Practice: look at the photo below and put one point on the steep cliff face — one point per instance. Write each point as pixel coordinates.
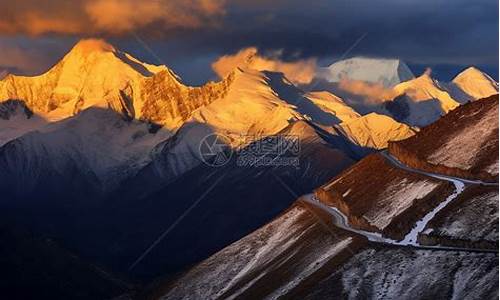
(12, 108)
(162, 99)
(128, 103)
(17, 119)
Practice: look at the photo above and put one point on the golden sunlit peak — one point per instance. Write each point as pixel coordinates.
(93, 45)
(470, 72)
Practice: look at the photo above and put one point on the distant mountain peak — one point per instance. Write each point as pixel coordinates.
(473, 84)
(388, 72)
(87, 53)
(472, 73)
(96, 74)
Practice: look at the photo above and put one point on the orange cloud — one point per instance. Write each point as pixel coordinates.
(122, 15)
(35, 17)
(372, 93)
(105, 16)
(299, 72)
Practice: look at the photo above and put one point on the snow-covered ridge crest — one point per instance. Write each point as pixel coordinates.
(96, 74)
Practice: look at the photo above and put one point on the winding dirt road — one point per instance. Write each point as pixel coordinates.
(410, 240)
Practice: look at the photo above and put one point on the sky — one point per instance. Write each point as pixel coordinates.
(190, 35)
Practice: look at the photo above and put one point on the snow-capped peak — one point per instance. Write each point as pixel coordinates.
(387, 72)
(92, 74)
(424, 88)
(421, 101)
(471, 73)
(475, 84)
(97, 51)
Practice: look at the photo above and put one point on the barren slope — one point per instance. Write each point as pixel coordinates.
(470, 221)
(467, 145)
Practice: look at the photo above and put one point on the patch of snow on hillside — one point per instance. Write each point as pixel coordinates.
(493, 168)
(460, 151)
(17, 125)
(412, 236)
(276, 244)
(404, 274)
(318, 261)
(398, 197)
(476, 220)
(219, 273)
(242, 266)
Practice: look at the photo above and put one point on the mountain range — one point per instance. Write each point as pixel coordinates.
(378, 230)
(102, 154)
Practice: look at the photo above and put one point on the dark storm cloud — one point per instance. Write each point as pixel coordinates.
(426, 32)
(419, 31)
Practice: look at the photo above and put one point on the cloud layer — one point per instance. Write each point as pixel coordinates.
(371, 93)
(298, 72)
(112, 17)
(446, 35)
